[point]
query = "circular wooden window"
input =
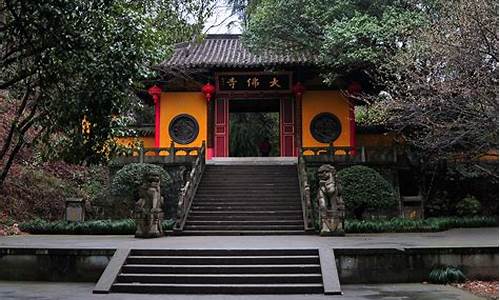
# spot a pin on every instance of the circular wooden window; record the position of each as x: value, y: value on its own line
x: 183, y: 129
x: 325, y: 127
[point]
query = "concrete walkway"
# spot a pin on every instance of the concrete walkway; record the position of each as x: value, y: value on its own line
x: 467, y: 237
x: 79, y: 291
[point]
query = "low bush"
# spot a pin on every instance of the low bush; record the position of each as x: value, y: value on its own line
x: 94, y: 227
x: 125, y: 184
x: 364, y: 188
x: 446, y: 274
x: 425, y: 225
x: 127, y: 226
x: 469, y: 206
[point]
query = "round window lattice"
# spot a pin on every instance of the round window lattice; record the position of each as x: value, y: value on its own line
x: 183, y: 129
x: 325, y: 127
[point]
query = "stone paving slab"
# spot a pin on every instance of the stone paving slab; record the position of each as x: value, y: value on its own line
x: 467, y: 237
x: 78, y: 291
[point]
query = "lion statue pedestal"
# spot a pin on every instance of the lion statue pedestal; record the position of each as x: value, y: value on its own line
x: 148, y: 211
x: 330, y: 203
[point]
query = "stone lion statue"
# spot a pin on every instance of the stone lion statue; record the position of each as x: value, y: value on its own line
x: 148, y: 209
x: 330, y: 202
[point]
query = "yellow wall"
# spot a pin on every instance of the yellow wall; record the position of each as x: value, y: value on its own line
x: 148, y: 141
x: 315, y: 102
x: 130, y: 142
x: 176, y: 103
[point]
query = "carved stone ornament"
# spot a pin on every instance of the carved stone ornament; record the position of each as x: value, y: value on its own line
x: 330, y: 203
x: 183, y: 129
x: 148, y: 211
x: 325, y: 127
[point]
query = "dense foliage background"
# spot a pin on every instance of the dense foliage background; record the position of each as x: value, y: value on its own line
x: 64, y: 62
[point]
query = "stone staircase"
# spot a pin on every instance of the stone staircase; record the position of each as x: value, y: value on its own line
x: 246, y: 199
x: 220, y: 271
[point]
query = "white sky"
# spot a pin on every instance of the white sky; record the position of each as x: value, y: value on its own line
x: 221, y: 19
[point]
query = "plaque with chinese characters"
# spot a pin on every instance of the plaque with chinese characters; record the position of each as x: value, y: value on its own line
x: 232, y: 82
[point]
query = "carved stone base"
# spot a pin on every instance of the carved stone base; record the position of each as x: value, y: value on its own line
x: 331, y: 224
x: 148, y: 224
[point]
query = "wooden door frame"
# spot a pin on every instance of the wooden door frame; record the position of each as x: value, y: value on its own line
x: 287, y: 127
x: 222, y: 127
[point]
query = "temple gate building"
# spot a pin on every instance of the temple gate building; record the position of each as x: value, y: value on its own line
x: 198, y: 92
x: 203, y: 82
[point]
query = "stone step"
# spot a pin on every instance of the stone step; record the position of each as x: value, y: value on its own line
x: 161, y: 288
x: 241, y: 196
x: 236, y: 222
x: 221, y: 269
x: 249, y: 194
x: 224, y: 252
x: 260, y: 187
x: 244, y: 202
x: 251, y: 175
x: 252, y: 169
x: 272, y: 183
x: 246, y: 213
x: 222, y: 260
x: 243, y: 182
x: 220, y: 278
x: 246, y: 207
x: 237, y: 227
x: 245, y: 217
x: 246, y: 193
x: 243, y: 232
x: 284, y: 178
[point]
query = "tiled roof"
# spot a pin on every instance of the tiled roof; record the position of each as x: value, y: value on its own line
x: 227, y: 51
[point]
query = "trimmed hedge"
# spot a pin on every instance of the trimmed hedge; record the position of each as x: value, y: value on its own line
x: 364, y: 188
x: 94, y: 227
x: 425, y: 225
x: 128, y: 179
x: 127, y: 226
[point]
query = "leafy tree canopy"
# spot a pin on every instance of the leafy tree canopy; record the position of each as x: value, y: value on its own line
x: 66, y: 60
x: 346, y: 35
x: 442, y: 92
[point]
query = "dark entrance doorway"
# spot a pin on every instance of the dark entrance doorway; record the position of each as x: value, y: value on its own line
x: 254, y: 128
x: 225, y: 107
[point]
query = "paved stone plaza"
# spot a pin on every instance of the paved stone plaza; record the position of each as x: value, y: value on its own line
x: 80, y: 291
x: 468, y: 237
x: 456, y: 238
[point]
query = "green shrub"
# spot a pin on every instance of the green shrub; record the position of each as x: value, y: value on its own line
x: 439, y: 204
x: 425, y: 225
x: 127, y: 180
x: 94, y: 227
x: 469, y: 206
x: 364, y: 188
x: 446, y: 274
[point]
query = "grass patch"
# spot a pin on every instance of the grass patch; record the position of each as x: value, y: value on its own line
x: 93, y: 227
x: 425, y: 225
x: 127, y: 226
x: 446, y: 274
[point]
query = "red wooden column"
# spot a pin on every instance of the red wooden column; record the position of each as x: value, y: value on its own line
x: 298, y: 90
x: 287, y: 127
x: 155, y: 92
x: 208, y: 91
x: 221, y: 144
